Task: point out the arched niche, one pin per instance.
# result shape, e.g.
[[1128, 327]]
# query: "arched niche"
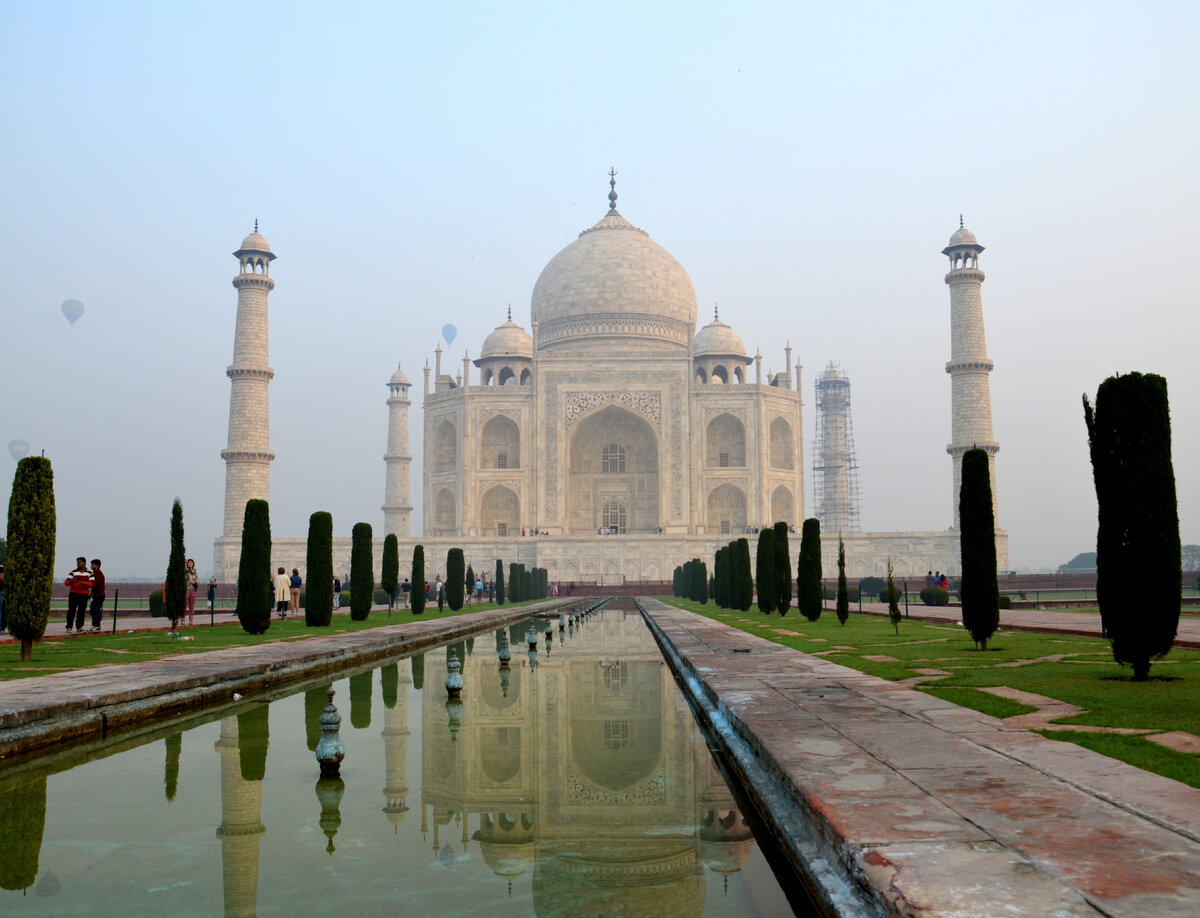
[[500, 444], [616, 740], [725, 443], [726, 511], [499, 512], [500, 753], [526, 377], [783, 450], [507, 377], [720, 375], [612, 456], [783, 506], [701, 376], [444, 522], [445, 448]]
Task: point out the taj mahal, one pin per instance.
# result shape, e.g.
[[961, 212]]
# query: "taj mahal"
[[612, 440]]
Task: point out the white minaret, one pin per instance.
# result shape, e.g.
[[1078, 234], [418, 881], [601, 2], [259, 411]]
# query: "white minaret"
[[397, 511], [970, 392], [248, 455]]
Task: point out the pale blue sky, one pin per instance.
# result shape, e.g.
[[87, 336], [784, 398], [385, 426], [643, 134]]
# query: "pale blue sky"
[[412, 167]]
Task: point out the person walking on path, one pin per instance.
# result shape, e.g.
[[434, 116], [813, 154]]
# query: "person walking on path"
[[212, 595], [80, 582], [294, 585], [337, 593], [405, 589], [193, 584], [283, 590], [97, 594]]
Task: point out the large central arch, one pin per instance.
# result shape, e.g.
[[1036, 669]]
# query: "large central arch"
[[613, 473]]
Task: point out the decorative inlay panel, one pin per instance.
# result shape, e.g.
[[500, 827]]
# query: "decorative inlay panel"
[[579, 404], [651, 792]]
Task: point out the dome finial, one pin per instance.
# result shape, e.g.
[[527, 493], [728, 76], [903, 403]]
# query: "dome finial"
[[612, 188], [256, 224], [960, 223], [510, 312], [716, 314]]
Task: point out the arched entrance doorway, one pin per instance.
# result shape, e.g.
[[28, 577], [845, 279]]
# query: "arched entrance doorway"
[[613, 474]]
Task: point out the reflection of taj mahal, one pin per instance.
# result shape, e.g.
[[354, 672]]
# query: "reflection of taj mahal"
[[612, 415]]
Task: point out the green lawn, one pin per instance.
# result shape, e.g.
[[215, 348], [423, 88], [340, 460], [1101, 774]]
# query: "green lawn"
[[1077, 670], [87, 650]]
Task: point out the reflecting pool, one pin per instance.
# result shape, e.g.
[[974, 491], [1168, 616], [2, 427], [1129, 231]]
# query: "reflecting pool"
[[572, 781]]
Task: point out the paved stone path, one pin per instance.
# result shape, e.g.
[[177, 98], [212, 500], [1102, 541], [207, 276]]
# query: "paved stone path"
[[934, 809]]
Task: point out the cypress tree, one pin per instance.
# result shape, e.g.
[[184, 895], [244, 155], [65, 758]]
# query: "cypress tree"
[[718, 586], [1138, 555], [418, 580], [514, 582], [701, 582], [30, 562], [764, 571], [527, 590], [389, 576], [783, 569], [979, 593], [174, 744], [24, 820], [455, 578], [677, 581], [361, 689], [470, 579], [893, 599], [389, 684], [175, 591], [843, 591], [743, 580], [418, 670], [318, 566], [362, 572], [809, 592], [254, 738], [254, 568], [499, 582]]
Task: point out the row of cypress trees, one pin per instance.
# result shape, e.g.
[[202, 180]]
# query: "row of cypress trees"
[[691, 581]]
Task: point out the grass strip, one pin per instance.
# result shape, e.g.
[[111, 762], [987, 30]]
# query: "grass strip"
[[1137, 751]]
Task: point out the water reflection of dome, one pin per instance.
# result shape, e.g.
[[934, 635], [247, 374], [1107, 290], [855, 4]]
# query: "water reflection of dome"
[[507, 844], [726, 842], [636, 884]]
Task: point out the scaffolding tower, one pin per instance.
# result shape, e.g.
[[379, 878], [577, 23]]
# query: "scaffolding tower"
[[835, 467]]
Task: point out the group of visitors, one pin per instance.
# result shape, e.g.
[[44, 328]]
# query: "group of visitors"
[[938, 580], [286, 591], [84, 585]]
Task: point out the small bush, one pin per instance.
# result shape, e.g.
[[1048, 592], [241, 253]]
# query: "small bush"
[[380, 597], [345, 599], [895, 594], [870, 586], [935, 596], [1005, 602], [156, 603]]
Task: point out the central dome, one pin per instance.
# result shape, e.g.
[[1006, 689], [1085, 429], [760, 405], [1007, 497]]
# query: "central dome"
[[613, 287]]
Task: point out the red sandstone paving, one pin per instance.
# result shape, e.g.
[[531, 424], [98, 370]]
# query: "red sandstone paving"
[[946, 811]]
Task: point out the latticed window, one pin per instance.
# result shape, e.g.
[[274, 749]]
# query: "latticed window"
[[723, 460], [612, 459], [616, 678], [502, 460], [502, 529], [725, 527], [616, 734], [613, 515]]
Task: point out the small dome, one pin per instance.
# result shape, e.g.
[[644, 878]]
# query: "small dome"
[[398, 378], [507, 340], [718, 339], [256, 242], [963, 236]]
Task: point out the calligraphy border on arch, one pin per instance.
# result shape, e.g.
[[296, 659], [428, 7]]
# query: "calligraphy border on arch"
[[581, 404]]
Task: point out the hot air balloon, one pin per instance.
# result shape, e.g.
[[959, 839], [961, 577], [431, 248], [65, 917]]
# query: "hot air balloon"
[[18, 449], [449, 333], [72, 309]]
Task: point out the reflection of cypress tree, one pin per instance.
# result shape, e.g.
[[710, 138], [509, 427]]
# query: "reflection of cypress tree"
[[418, 670], [389, 678], [21, 832], [314, 704], [253, 739], [470, 645], [360, 700], [171, 772], [516, 633]]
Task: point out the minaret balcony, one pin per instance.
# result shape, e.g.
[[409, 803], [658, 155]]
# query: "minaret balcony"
[[984, 365]]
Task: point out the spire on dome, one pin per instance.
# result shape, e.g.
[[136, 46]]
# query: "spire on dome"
[[612, 189], [716, 314], [256, 224], [510, 312], [960, 222]]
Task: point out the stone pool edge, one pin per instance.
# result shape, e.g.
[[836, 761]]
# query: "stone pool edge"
[[61, 709]]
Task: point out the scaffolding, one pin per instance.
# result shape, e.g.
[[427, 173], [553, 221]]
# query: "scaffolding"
[[835, 466]]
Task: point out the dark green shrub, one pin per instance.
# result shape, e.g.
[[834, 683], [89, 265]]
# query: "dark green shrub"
[[765, 577], [871, 586], [935, 596], [362, 572], [1005, 602], [254, 569], [498, 582], [893, 599], [515, 582], [783, 569], [346, 595], [389, 576], [889, 594], [808, 571], [979, 594], [318, 572], [156, 603], [743, 576], [1139, 558], [380, 596], [175, 597], [456, 571], [24, 820], [418, 580], [843, 591]]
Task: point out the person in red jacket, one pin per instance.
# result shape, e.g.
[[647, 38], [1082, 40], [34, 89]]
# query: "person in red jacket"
[[97, 594], [80, 582]]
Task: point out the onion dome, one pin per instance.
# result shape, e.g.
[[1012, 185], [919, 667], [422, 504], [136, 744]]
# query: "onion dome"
[[717, 339], [507, 340], [255, 243], [962, 238], [398, 378]]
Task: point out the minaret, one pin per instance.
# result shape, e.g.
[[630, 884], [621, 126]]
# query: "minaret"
[[395, 749], [397, 510], [248, 455], [970, 392], [241, 828]]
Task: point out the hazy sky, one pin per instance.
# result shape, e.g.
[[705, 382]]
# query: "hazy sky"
[[418, 164]]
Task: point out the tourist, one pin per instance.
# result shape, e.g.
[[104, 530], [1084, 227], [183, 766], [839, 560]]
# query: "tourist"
[[283, 590], [97, 594], [479, 589], [405, 590], [294, 584], [193, 584], [337, 592], [80, 582], [212, 595]]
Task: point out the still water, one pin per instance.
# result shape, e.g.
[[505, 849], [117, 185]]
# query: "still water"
[[574, 782]]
